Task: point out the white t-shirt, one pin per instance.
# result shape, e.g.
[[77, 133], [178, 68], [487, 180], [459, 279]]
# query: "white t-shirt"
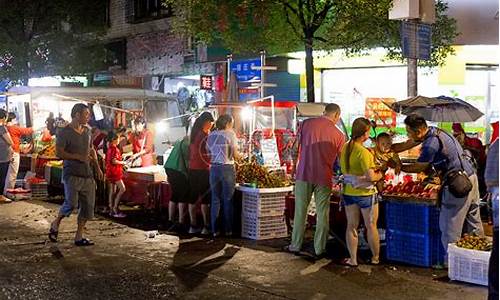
[[220, 145]]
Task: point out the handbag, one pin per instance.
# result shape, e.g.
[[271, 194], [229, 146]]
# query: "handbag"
[[458, 181]]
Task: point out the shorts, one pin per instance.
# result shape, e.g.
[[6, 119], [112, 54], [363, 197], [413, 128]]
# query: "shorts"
[[179, 185], [361, 201], [79, 192], [199, 186]]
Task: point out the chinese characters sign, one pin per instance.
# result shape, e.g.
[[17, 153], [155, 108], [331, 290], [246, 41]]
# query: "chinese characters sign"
[[416, 40], [206, 82], [245, 75], [378, 109], [243, 69]]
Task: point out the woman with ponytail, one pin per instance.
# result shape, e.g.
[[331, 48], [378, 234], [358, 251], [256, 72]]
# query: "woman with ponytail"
[[360, 195]]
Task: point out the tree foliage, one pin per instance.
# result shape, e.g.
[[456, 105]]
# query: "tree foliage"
[[288, 25], [50, 37]]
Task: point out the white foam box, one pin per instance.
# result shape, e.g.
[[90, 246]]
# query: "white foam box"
[[468, 265]]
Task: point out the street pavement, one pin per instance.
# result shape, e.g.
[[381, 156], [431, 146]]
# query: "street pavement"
[[127, 264]]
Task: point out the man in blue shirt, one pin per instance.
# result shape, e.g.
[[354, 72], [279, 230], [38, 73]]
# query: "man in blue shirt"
[[442, 152]]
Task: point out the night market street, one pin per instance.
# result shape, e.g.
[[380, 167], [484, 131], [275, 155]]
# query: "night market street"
[[125, 264]]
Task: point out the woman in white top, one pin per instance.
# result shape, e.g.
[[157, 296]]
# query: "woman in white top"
[[222, 146]]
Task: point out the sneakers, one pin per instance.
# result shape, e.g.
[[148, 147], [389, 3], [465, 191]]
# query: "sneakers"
[[118, 215], [194, 230], [205, 231], [4, 199], [177, 228]]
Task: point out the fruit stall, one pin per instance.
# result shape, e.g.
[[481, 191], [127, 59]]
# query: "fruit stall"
[[263, 200]]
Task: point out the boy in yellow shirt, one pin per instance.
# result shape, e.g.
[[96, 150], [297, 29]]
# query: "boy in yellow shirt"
[[385, 157]]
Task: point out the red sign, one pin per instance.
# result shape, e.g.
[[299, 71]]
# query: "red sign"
[[206, 82], [378, 109]]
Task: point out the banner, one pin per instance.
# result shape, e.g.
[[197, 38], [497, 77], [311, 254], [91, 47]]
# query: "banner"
[[378, 109]]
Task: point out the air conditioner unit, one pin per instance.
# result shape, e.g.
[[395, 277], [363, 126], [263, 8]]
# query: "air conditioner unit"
[[425, 10]]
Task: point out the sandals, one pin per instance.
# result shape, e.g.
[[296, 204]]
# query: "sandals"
[[53, 235], [84, 242], [347, 262]]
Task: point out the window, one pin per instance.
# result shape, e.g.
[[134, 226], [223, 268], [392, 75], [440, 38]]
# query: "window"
[[116, 53], [138, 11]]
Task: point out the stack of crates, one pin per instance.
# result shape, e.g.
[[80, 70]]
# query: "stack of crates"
[[413, 234], [262, 213]]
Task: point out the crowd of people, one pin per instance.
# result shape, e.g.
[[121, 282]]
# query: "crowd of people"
[[201, 169]]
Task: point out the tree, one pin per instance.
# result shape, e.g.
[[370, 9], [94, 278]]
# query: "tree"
[[41, 38], [284, 25]]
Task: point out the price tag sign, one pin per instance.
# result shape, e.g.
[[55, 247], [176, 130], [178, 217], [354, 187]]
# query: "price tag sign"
[[270, 153]]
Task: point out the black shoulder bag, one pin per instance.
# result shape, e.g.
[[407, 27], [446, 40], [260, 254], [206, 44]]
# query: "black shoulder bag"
[[458, 181]]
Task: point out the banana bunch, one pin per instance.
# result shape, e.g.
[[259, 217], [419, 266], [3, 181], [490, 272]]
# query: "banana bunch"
[[474, 243]]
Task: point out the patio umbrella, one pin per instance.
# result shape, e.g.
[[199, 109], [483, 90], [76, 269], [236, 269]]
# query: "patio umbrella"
[[438, 109]]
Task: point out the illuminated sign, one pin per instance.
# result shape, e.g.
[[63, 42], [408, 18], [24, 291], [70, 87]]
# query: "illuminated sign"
[[206, 82]]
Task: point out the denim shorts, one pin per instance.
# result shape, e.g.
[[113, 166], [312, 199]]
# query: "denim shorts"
[[361, 201]]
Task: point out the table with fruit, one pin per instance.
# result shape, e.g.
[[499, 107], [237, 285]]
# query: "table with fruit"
[[426, 190]]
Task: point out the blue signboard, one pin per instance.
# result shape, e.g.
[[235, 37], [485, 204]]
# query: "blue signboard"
[[416, 40], [243, 69], [3, 102], [4, 85]]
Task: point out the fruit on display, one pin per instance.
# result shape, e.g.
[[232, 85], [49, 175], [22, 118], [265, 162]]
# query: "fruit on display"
[[252, 172], [48, 151], [415, 189], [474, 242]]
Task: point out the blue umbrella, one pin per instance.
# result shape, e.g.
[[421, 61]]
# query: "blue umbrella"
[[438, 109]]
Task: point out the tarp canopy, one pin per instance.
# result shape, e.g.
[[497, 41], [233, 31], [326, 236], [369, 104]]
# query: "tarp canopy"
[[91, 93]]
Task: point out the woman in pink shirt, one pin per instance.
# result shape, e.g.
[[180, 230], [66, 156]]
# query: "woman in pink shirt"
[[199, 166]]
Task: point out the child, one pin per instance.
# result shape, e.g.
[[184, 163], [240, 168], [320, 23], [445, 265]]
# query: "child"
[[114, 174], [385, 157]]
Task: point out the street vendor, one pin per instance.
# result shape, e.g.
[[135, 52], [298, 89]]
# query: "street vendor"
[[442, 152], [142, 144], [16, 132]]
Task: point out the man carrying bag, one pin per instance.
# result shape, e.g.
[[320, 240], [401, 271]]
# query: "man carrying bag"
[[459, 211]]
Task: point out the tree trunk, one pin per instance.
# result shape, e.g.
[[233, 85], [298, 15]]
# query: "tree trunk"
[[309, 71]]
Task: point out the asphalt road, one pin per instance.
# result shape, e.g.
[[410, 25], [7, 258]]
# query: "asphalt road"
[[125, 264]]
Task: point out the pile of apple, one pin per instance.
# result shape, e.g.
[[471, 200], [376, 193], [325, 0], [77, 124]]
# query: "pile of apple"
[[412, 189]]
